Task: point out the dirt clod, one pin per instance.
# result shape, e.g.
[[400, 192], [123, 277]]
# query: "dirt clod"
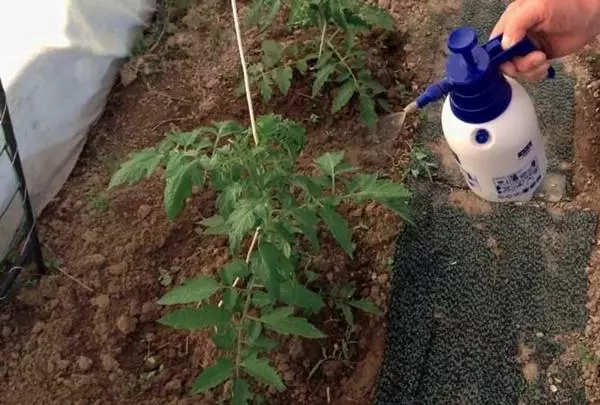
[[118, 269], [84, 363], [126, 324], [93, 262], [173, 387], [102, 301], [37, 328], [331, 369], [62, 364], [108, 362], [144, 211]]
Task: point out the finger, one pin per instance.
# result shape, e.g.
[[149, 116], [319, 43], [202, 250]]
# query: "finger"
[[537, 74], [530, 62], [509, 69], [506, 15], [521, 17], [499, 28]]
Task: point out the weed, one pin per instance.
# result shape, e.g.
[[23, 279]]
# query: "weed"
[[267, 211], [333, 59], [422, 162], [99, 203], [587, 356], [148, 39]]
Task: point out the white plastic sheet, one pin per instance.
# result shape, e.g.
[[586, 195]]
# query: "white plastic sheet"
[[58, 61]]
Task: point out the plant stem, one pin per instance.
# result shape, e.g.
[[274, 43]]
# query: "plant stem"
[[322, 37], [238, 35], [343, 61], [249, 287]]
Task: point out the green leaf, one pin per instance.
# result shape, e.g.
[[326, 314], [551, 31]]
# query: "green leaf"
[[374, 15], [262, 371], [142, 163], [178, 186], [347, 290], [347, 312], [254, 331], [225, 337], [215, 225], [228, 199], [367, 111], [260, 345], [240, 222], [241, 392], [310, 185], [328, 162], [322, 77], [230, 300], [401, 207], [234, 269], [308, 221], [310, 276], [277, 314], [343, 96], [265, 88], [283, 78], [323, 59], [338, 226], [295, 294], [368, 186], [385, 105], [294, 326], [194, 290], [272, 52], [375, 86], [196, 318], [344, 76], [272, 265], [213, 376], [366, 306], [261, 299], [302, 66]]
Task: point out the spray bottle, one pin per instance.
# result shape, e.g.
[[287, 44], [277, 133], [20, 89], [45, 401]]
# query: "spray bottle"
[[488, 119]]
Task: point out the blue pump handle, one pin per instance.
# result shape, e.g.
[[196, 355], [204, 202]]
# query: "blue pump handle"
[[522, 48]]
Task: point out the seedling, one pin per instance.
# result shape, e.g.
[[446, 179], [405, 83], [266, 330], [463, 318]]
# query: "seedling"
[[422, 163], [265, 209], [334, 60]]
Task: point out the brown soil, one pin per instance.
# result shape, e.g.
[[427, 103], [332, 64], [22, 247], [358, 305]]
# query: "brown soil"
[[87, 334], [586, 68]]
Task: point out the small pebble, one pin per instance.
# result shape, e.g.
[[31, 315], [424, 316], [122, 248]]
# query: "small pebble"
[[37, 328], [144, 211], [126, 324], [102, 301], [84, 363], [118, 269]]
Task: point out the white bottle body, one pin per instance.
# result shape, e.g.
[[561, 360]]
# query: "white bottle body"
[[511, 165]]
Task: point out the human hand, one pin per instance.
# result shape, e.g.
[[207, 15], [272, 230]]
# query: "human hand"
[[558, 27]]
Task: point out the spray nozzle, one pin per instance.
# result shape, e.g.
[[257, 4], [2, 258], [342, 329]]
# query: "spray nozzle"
[[470, 67]]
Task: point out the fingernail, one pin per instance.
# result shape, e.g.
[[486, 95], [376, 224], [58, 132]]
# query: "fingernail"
[[507, 42]]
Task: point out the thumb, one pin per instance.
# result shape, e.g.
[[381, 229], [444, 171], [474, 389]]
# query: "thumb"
[[519, 18]]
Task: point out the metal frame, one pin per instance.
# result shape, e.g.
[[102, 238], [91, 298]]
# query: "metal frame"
[[25, 246]]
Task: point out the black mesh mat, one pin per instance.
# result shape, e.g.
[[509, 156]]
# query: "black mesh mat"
[[488, 300], [468, 289]]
